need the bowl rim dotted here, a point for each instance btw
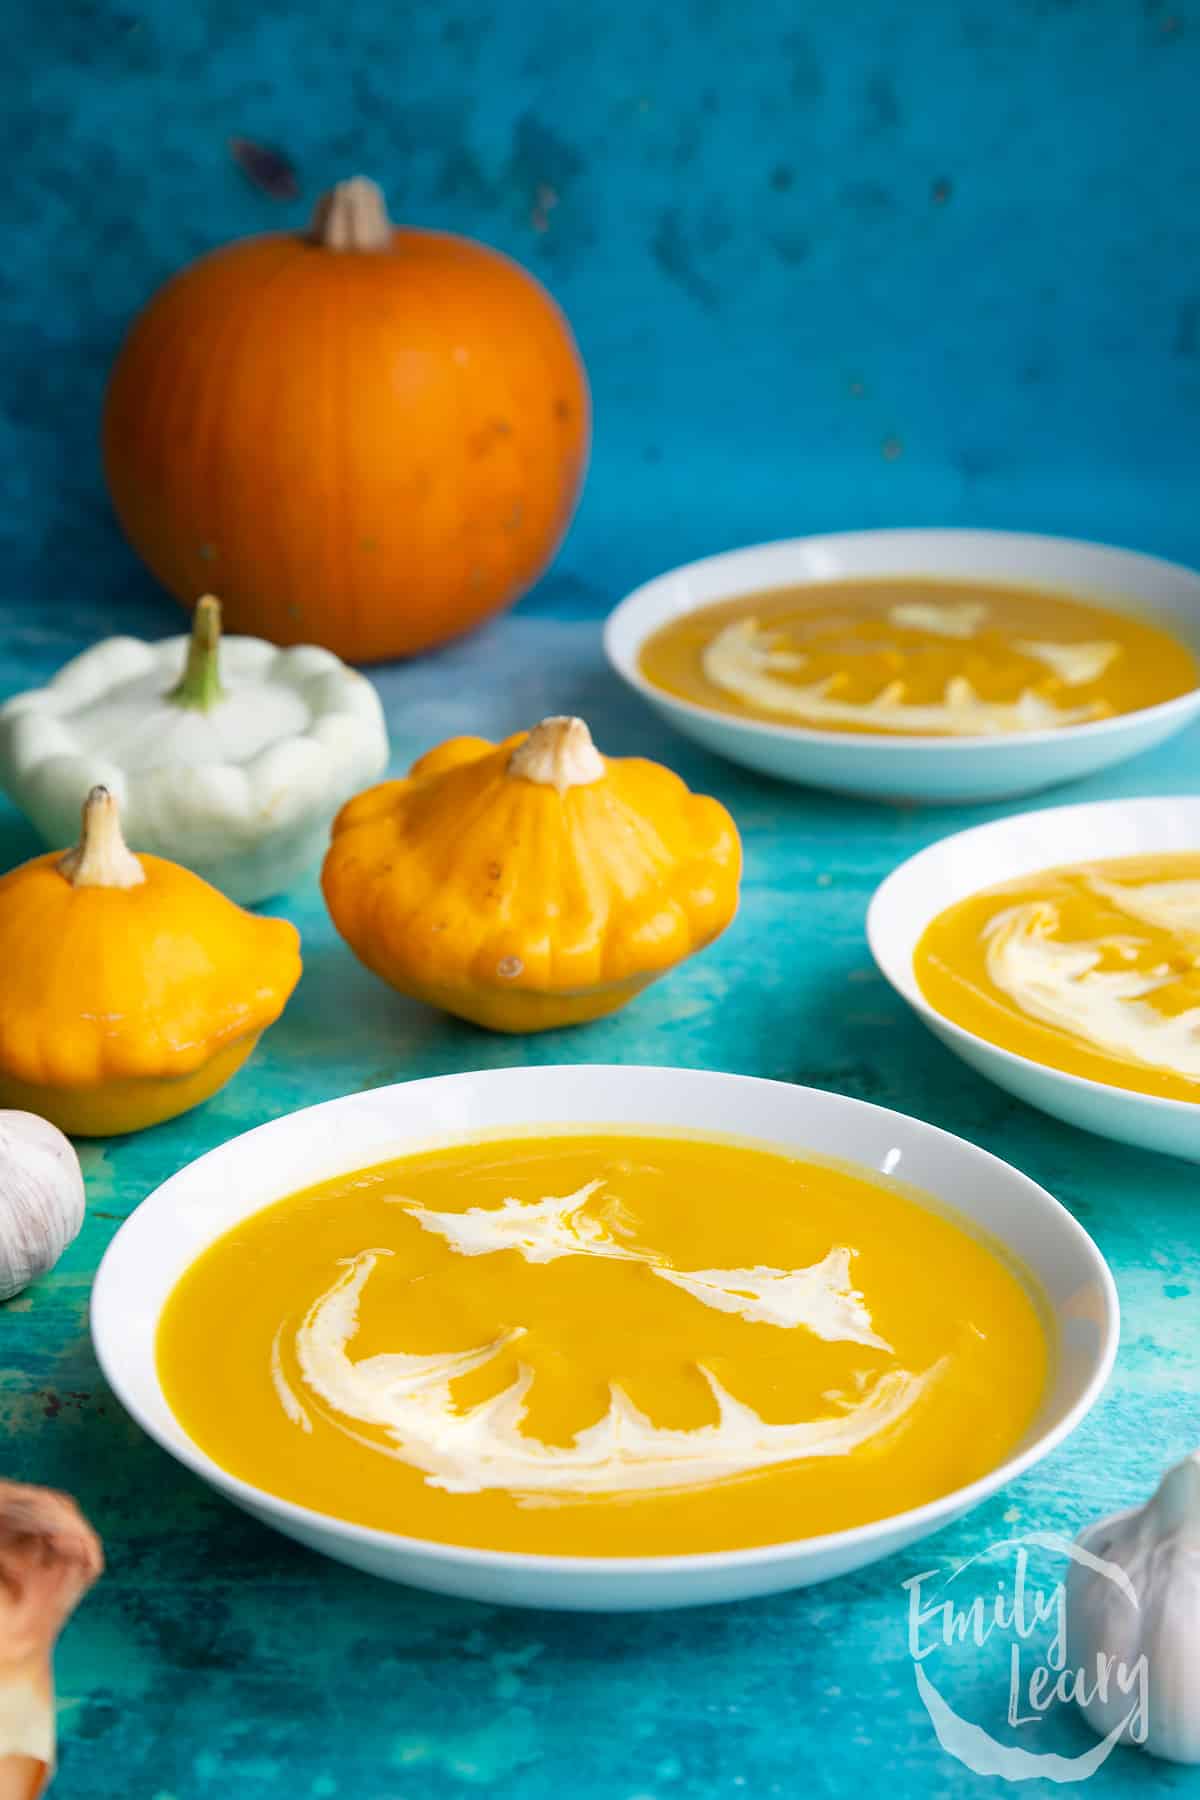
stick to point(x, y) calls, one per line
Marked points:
point(625, 661)
point(904, 983)
point(309, 1520)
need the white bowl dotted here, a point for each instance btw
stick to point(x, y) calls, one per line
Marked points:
point(205, 1199)
point(937, 769)
point(914, 894)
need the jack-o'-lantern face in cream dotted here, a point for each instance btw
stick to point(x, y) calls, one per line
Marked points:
point(603, 1344)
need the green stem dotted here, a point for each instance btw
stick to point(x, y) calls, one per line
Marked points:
point(200, 684)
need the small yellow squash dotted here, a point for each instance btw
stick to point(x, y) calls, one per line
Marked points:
point(132, 990)
point(532, 883)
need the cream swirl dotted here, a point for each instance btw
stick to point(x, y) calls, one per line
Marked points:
point(821, 1298)
point(1061, 983)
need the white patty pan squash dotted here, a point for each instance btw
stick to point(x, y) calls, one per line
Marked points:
point(229, 756)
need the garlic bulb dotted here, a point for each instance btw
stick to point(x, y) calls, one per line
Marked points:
point(41, 1198)
point(1133, 1619)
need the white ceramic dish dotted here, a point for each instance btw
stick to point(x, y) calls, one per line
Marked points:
point(914, 894)
point(931, 769)
point(203, 1200)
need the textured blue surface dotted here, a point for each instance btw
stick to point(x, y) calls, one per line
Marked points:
point(830, 267)
point(215, 1658)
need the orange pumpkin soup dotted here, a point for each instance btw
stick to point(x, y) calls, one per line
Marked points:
point(923, 658)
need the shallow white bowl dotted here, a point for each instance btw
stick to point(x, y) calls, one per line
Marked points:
point(914, 894)
point(936, 769)
point(195, 1206)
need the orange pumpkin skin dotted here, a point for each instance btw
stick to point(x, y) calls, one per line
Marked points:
point(371, 450)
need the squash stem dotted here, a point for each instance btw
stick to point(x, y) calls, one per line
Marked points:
point(101, 858)
point(200, 684)
point(558, 753)
point(352, 216)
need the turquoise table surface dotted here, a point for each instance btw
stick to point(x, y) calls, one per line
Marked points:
point(216, 1658)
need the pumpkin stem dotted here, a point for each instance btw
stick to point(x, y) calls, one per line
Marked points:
point(558, 753)
point(200, 683)
point(352, 216)
point(101, 858)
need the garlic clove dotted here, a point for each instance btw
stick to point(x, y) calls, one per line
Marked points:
point(41, 1199)
point(1133, 1619)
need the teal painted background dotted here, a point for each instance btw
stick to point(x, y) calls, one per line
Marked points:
point(830, 267)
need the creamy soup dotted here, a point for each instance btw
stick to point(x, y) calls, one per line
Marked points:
point(917, 657)
point(604, 1345)
point(1094, 969)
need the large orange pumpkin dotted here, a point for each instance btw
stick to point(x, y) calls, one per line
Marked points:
point(361, 437)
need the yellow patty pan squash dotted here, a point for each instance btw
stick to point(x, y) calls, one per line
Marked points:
point(131, 990)
point(532, 883)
